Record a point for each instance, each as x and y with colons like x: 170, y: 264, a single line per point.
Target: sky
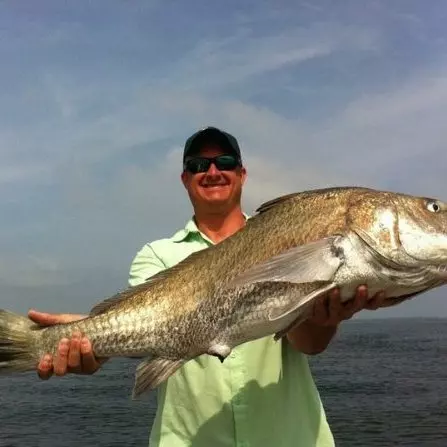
x: 97, y: 99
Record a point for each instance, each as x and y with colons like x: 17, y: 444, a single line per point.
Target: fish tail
x: 18, y: 339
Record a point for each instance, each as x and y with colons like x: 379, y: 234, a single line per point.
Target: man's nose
x: 212, y: 170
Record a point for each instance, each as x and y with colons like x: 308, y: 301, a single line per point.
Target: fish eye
x: 434, y: 207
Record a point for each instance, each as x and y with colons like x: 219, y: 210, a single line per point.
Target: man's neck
x: 219, y: 226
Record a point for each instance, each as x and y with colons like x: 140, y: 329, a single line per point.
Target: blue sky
x: 97, y: 98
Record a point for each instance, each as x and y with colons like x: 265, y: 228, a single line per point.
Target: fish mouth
x: 440, y: 270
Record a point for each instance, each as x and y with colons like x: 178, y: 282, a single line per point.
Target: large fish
x: 261, y: 281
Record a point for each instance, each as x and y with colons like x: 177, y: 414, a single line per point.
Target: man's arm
x: 75, y: 355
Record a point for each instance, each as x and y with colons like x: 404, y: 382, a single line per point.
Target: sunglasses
x: 202, y: 164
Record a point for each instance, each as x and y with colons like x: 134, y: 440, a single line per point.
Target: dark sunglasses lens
x: 222, y: 162
x: 196, y: 165
x: 226, y: 162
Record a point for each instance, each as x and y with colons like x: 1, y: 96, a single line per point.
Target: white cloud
x: 365, y: 141
x: 427, y: 92
x: 139, y: 115
x: 217, y: 63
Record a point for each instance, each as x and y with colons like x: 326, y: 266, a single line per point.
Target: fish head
x: 405, y: 230
x: 422, y: 230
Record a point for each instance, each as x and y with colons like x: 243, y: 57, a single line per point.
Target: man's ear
x: 243, y: 174
x: 184, y: 178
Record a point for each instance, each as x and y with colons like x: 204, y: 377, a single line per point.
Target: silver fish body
x: 261, y: 281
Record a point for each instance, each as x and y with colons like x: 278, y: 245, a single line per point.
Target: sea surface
x: 383, y: 383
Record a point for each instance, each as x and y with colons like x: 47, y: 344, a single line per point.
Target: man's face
x: 214, y: 188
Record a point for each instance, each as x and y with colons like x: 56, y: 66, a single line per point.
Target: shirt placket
x: 239, y: 402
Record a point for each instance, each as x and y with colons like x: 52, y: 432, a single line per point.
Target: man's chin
x: 216, y: 197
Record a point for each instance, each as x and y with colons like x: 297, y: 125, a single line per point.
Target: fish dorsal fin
x: 308, y: 193
x: 108, y: 303
x: 105, y: 305
x: 274, y: 202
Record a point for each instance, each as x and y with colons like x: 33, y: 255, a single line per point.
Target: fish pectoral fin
x: 305, y: 309
x: 315, y: 261
x: 300, y: 301
x: 151, y: 373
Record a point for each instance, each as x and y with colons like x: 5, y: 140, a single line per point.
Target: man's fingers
x: 335, y: 307
x: 320, y: 313
x: 43, y: 318
x: 357, y: 304
x: 330, y: 311
x: 361, y: 294
x: 334, y: 294
x: 60, y: 361
x: 45, y: 367
x: 47, y: 319
x: 89, y: 362
x: 74, y: 354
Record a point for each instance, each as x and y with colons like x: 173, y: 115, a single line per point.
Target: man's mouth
x: 219, y: 185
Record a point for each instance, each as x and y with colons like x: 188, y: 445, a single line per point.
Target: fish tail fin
x: 18, y: 351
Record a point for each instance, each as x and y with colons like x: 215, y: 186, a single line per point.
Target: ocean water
x: 383, y: 383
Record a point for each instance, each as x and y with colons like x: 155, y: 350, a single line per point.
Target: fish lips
x: 442, y: 271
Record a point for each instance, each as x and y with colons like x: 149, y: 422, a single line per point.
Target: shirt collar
x: 191, y: 228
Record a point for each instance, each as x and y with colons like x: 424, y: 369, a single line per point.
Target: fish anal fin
x: 152, y: 372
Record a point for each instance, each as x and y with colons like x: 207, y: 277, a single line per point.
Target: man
x: 263, y: 394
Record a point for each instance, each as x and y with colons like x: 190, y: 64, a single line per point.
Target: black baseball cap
x: 211, y: 135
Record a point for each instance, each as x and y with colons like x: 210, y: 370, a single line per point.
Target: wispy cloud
x: 219, y: 63
x: 32, y: 271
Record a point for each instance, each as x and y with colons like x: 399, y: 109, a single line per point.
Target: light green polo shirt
x: 262, y: 395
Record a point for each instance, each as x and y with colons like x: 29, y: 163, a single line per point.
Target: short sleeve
x: 145, y: 264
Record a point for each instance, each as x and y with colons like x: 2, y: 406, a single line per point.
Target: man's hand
x: 73, y: 356
x: 314, y: 335
x: 330, y: 311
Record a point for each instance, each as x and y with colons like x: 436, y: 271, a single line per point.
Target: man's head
x: 213, y: 173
